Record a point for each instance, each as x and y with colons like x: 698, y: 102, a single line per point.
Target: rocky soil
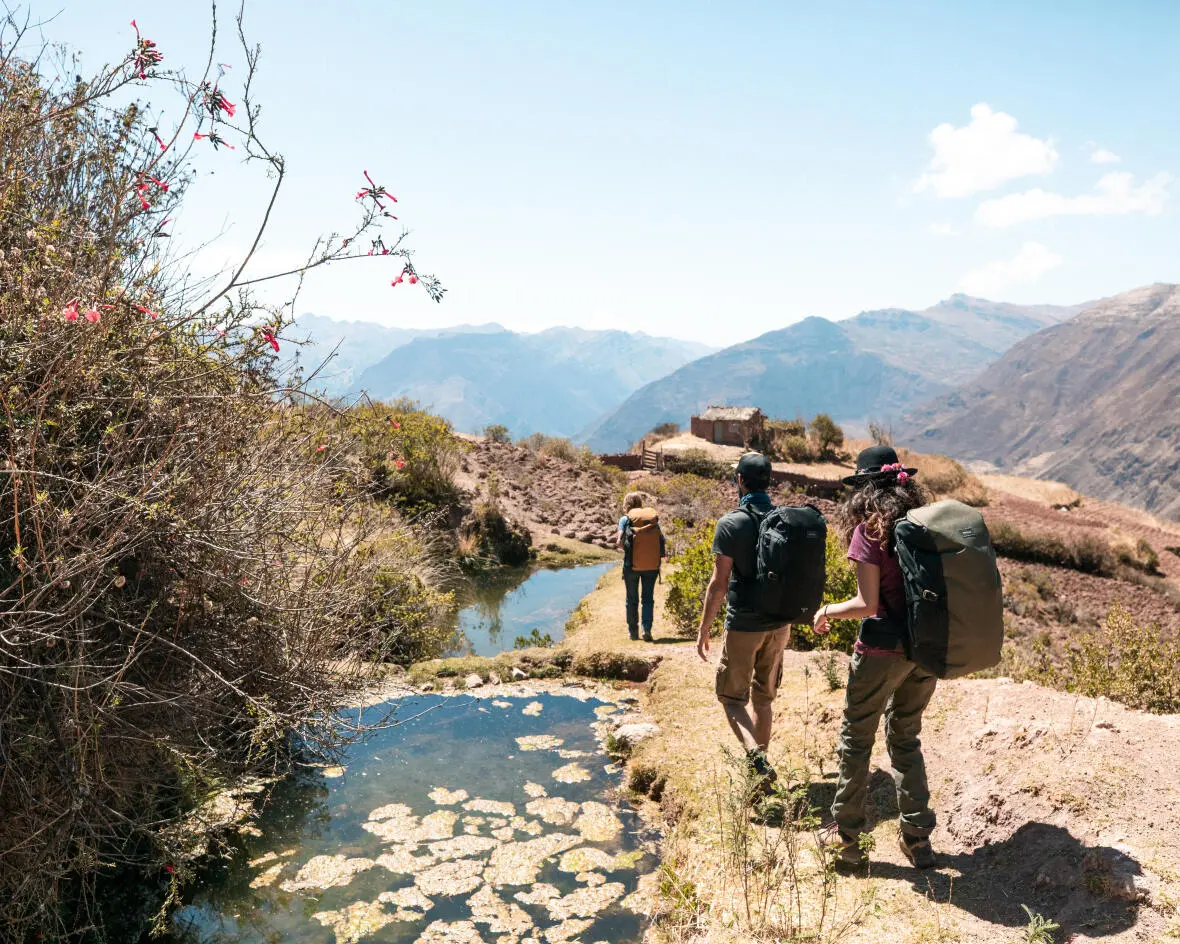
x: 549, y: 496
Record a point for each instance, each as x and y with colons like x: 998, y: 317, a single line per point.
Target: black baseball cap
x: 754, y: 469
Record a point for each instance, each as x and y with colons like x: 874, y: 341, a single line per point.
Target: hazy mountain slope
x: 873, y: 366
x: 554, y: 382
x: 1093, y: 402
x: 809, y: 367
x: 358, y: 345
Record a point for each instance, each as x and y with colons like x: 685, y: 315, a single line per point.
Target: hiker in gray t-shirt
x: 752, y: 652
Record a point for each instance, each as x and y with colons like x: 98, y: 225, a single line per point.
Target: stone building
x: 730, y: 425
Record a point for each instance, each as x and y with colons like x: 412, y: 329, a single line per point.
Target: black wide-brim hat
x: 871, y: 465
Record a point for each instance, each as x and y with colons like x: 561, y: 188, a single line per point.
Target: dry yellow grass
x: 1043, y: 491
x: 702, y: 896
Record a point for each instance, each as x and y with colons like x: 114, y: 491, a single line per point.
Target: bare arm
x: 714, y: 597
x: 868, y: 592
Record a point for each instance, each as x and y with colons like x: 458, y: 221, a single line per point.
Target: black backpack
x: 791, y: 559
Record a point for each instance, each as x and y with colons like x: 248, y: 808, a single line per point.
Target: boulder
x: 627, y: 736
x: 473, y: 681
x: 493, y: 678
x: 519, y: 674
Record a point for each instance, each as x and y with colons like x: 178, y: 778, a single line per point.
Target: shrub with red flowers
x: 183, y: 583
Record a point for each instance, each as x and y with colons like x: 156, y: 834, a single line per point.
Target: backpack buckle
x: 929, y: 595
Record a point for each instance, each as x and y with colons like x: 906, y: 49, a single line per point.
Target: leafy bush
x: 534, y: 640
x: 828, y: 437
x: 687, y: 582
x: 1086, y: 553
x: 497, y: 433
x: 1129, y: 663
x: 686, y: 501
x: 839, y: 585
x: 496, y: 537
x: 698, y: 462
x: 666, y: 430
x: 410, y: 456
x: 694, y: 566
x: 880, y: 435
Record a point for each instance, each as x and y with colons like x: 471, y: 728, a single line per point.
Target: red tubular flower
x: 70, y: 312
x: 146, y: 55
x: 400, y: 463
x: 413, y: 280
x: 398, y: 280
x: 320, y: 448
x: 170, y: 869
x: 143, y: 309
x: 92, y: 315
x: 269, y: 336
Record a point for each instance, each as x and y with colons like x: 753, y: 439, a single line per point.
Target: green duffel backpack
x: 954, y: 600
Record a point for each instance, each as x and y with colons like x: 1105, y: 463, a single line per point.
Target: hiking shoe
x: 647, y: 636
x: 844, y: 850
x: 762, y: 773
x: 918, y: 850
x: 633, y: 633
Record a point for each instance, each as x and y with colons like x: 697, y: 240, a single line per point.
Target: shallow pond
x: 495, y: 610
x: 473, y: 819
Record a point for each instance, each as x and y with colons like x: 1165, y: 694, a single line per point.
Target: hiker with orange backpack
x: 642, y: 542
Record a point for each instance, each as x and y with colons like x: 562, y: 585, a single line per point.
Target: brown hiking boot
x: 918, y: 850
x: 844, y: 851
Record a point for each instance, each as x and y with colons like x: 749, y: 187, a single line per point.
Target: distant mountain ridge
x: 1093, y: 402
x: 874, y: 366
x: 555, y: 381
x: 357, y: 346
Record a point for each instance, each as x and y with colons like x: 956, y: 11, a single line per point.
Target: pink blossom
x: 401, y: 464
x: 143, y: 309
x: 70, y: 312
x: 413, y: 280
x: 92, y: 315
x: 320, y: 448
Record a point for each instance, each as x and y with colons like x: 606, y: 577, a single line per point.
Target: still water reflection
x: 496, y: 610
x: 476, y: 819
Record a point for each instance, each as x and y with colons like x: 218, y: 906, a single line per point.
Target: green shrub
x: 497, y: 538
x: 694, y: 567
x: 1086, y: 553
x: 534, y: 640
x: 411, y: 456
x: 794, y: 449
x: 406, y: 619
x: 839, y: 585
x: 828, y: 437
x: 687, y: 583
x: 1128, y: 663
x: 698, y: 462
x: 497, y: 433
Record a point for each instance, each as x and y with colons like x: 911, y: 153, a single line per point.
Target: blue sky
x: 705, y: 171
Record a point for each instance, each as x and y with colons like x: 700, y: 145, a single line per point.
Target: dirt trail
x: 1066, y: 804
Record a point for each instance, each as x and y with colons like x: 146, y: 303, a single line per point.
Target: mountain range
x: 555, y: 381
x: 874, y: 366
x: 337, y: 352
x: 1093, y: 402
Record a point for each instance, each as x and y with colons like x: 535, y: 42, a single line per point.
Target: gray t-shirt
x: 737, y: 537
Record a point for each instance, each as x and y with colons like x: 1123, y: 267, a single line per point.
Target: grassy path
x: 1045, y: 799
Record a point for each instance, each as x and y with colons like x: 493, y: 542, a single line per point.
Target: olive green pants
x: 895, y: 687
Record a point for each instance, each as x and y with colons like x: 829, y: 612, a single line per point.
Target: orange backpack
x: 645, y: 538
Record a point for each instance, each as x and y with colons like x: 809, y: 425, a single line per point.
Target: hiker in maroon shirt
x: 881, y: 680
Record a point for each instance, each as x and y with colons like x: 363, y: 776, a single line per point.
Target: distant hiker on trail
x: 768, y: 567
x: 881, y: 679
x: 642, y: 543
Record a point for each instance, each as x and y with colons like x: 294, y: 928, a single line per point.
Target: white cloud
x: 1114, y: 195
x: 1029, y: 264
x: 943, y: 229
x: 1103, y: 156
x: 983, y: 155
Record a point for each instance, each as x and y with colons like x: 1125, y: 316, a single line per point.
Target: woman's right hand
x: 819, y: 622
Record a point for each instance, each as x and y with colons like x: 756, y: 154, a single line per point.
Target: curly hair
x: 878, y: 505
x: 636, y: 500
